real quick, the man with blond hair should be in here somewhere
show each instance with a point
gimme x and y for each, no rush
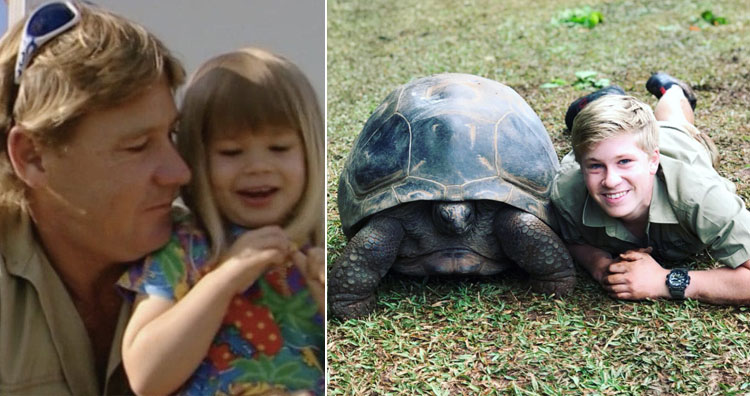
(652, 198)
(87, 180)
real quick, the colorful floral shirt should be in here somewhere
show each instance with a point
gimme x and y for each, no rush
(272, 336)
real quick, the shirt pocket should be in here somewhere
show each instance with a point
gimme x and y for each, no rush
(675, 246)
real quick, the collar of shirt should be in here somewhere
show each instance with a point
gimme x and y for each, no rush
(72, 352)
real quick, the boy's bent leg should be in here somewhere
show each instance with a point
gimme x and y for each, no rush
(659, 83)
(673, 106)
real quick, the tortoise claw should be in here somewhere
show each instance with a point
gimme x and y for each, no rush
(356, 309)
(559, 287)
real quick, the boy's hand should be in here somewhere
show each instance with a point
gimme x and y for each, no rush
(253, 253)
(636, 276)
(312, 266)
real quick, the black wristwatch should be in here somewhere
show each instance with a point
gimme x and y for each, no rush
(677, 281)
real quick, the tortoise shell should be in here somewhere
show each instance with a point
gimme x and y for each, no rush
(448, 137)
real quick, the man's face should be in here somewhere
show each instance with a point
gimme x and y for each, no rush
(112, 185)
(620, 177)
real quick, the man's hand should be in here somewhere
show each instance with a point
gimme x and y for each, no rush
(636, 276)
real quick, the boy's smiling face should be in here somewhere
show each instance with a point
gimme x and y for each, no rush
(619, 176)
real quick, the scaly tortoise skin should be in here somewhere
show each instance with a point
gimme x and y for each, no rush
(449, 176)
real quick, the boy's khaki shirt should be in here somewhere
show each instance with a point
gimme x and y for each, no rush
(692, 208)
(44, 346)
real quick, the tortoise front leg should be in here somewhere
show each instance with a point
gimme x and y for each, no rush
(366, 259)
(534, 247)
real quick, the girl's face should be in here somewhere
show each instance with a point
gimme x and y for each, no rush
(257, 176)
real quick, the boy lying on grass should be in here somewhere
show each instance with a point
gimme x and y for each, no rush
(652, 199)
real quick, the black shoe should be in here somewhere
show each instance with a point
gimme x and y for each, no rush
(660, 82)
(581, 102)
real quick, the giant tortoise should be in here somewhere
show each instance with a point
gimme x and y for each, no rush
(449, 176)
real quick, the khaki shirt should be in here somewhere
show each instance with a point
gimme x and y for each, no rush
(44, 346)
(692, 208)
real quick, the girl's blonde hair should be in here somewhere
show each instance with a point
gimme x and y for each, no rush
(101, 62)
(246, 90)
(610, 116)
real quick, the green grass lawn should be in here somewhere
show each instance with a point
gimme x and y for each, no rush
(491, 335)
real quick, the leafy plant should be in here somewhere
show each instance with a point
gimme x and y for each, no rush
(584, 16)
(584, 79)
(587, 79)
(709, 17)
(554, 83)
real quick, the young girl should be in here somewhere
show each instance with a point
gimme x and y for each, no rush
(238, 308)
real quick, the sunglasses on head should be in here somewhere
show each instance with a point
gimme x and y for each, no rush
(45, 23)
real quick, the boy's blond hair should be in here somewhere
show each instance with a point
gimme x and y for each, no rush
(99, 63)
(610, 116)
(247, 90)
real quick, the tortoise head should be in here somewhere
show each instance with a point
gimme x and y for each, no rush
(453, 218)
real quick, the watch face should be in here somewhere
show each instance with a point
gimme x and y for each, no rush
(678, 278)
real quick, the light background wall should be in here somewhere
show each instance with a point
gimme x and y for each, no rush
(196, 30)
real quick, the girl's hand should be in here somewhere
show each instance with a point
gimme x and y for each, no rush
(313, 267)
(252, 254)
